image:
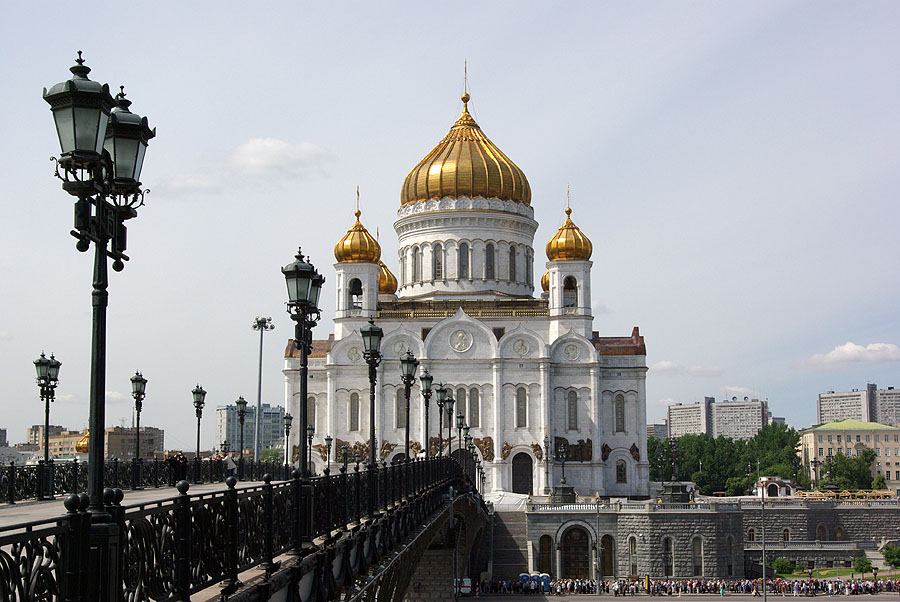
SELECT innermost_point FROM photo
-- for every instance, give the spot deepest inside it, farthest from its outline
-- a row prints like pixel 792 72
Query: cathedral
pixel 520 367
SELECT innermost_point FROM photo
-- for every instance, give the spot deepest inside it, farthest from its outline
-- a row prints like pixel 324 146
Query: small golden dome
pixel 82 446
pixel 387 282
pixel 357 245
pixel 545 281
pixel 465 163
pixel 569 243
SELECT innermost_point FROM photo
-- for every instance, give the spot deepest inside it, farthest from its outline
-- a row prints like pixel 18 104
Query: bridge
pixel 389 534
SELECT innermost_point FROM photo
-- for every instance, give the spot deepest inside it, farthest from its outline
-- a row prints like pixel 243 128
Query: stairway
pixel 510 553
pixel 877 560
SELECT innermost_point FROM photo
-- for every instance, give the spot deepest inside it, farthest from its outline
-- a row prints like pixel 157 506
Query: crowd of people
pixel 677 587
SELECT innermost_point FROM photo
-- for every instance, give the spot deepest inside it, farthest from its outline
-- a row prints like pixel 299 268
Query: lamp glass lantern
pixel 199 397
pixel 448 403
pixel 126 142
pixel 371 336
pixel 241 404
pixel 441 392
pixel 288 420
pixel 460 420
pixel 426 379
pixel 42 367
pixel 408 366
pixel 304 283
pixel 138 385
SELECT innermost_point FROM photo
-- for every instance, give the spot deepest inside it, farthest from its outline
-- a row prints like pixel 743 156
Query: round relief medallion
pixel 520 347
pixel 571 352
pixel 400 347
pixel 353 354
pixel 461 341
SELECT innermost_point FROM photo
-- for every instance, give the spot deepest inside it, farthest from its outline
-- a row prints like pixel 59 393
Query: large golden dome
pixel 569 242
pixel 465 163
pixel 357 245
pixel 387 282
pixel 84 443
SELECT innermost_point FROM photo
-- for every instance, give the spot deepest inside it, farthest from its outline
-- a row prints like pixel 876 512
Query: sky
pixel 734 164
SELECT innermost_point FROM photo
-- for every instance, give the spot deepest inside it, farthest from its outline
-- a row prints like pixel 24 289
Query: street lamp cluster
pixel 47 380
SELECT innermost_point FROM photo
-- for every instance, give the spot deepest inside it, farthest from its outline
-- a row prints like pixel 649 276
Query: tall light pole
pixel 310 433
pixel 288 419
pixel 426 379
pixel 47 380
pixel 304 284
pixel 441 396
pixel 103 145
pixel 546 464
pixel 199 396
pixel 241 404
pixel 263 325
pixel 460 423
pixel 448 404
pixel 138 390
pixel 371 336
pixel 408 366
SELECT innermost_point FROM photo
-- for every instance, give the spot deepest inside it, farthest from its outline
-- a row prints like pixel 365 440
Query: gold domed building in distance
pixel 461 298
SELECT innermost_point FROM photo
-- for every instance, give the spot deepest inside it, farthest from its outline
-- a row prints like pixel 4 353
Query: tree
pixel 782 566
pixel 861 564
pixel 270 455
pixel 891 554
pixel 878 482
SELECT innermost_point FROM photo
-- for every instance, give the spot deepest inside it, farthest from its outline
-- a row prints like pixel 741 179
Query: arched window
pixel 632 555
pixel 545 545
pixel 751 534
pixel 529 267
pixel 729 560
pixel 512 264
pixel 786 535
pixel 572 411
pixel 355 291
pixel 668 559
pixel 621 472
pixel 474 410
pixel 820 532
pixel 570 292
pixel 400 411
pixel 417 265
pixel 620 414
pixel 839 534
pixel 354 412
pixel 489 261
pixel 311 411
pixel 437 262
pixel 521 407
pixel 697 556
pixel 463 271
pixel 461 401
pixel 403 259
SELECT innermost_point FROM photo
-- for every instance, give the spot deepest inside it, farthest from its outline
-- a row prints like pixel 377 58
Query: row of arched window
pixel 821 534
pixel 668 552
pixel 418 272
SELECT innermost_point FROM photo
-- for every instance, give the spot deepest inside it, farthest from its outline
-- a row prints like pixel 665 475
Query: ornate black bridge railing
pixel 171 548
pixel 24 482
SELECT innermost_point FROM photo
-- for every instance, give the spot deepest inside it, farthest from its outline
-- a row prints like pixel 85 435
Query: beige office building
pixel 866 405
pixel 850 437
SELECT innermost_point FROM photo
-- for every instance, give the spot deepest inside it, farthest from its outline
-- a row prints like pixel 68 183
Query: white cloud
pixel 600 309
pixel 666 401
pixel 115 395
pixel 741 392
pixel 665 367
pixel 188 183
pixel 5 336
pixel 705 371
pixel 66 397
pixel 851 353
pixel 273 157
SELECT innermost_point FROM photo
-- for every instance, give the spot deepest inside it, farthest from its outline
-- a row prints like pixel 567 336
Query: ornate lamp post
pixel 448 403
pixel 371 336
pixel 199 400
pixel 102 145
pixel 138 390
pixel 304 284
pixel 226 447
pixel 241 404
pixel 328 442
pixel 815 466
pixel 288 420
pixel 47 380
pixel 546 464
pixel 460 423
pixel 426 379
pixel 310 432
pixel 408 366
pixel 562 454
pixel 441 396
pixel 263 325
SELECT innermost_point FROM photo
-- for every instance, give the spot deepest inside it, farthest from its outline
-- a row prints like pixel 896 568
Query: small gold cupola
pixel 357 245
pixel 569 242
pixel 387 282
pixel 545 282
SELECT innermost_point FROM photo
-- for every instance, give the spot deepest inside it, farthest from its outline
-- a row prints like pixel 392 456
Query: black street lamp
pixel 138 390
pixel 546 464
pixel 448 403
pixel 328 442
pixel 562 454
pixel 408 366
pixel 199 399
pixel 102 145
pixel 241 404
pixel 371 336
pixel 815 466
pixel 426 379
pixel 304 284
pixel 460 423
pixel 47 380
pixel 441 396
pixel 263 325
pixel 310 431
pixel 226 447
pixel 288 420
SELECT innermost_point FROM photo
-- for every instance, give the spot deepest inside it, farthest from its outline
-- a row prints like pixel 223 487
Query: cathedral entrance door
pixel 522 473
pixel 575 556
pixel 607 556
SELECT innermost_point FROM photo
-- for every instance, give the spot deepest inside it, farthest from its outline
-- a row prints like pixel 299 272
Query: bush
pixel 863 565
pixel 783 565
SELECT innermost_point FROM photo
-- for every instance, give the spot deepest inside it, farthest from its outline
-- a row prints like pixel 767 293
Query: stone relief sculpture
pixel 435 446
pixel 386 448
pixel 323 451
pixel 360 447
pixel 486 447
pixel 538 452
pixel 505 450
pixel 605 451
pixel 295 453
pixel 583 451
pixel 415 448
pixel 635 452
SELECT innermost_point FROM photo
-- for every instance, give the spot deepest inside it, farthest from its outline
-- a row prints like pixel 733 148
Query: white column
pixel 497 408
pixel 379 412
pixel 546 413
pixel 330 411
pixel 596 484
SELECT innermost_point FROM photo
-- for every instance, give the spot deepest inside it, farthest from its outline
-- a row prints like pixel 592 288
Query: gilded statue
pixel 505 450
pixel 486 446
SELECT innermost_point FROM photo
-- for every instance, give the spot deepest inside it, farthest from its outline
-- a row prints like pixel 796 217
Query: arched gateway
pixel 576 560
pixel 522 473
